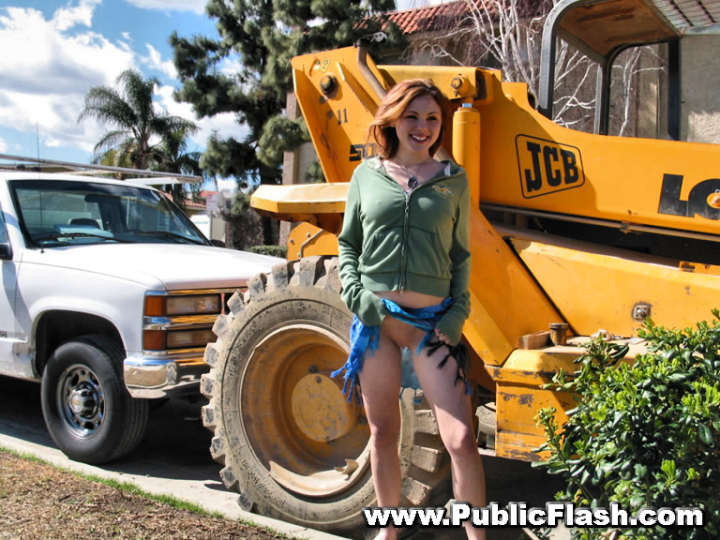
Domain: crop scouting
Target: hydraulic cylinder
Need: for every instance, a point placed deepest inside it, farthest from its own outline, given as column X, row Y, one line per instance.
column 466, row 146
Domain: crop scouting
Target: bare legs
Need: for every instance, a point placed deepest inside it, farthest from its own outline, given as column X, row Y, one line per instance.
column 452, row 411
column 380, row 385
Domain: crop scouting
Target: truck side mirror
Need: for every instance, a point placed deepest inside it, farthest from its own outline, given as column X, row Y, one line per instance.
column 5, row 252
column 217, row 243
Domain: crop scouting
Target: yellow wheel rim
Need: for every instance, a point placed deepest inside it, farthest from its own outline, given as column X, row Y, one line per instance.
column 302, row 429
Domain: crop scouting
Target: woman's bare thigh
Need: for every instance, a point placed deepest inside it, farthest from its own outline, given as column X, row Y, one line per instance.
column 380, row 380
column 443, row 390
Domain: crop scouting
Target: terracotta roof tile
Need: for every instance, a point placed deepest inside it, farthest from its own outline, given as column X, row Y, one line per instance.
column 430, row 18
column 452, row 14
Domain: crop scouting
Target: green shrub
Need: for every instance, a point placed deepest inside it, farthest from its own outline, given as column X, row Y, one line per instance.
column 644, row 433
column 275, row 251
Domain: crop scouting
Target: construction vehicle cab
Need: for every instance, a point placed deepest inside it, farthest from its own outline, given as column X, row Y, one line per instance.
column 602, row 30
column 572, row 233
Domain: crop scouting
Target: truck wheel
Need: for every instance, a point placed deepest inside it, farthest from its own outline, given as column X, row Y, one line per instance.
column 87, row 409
column 289, row 441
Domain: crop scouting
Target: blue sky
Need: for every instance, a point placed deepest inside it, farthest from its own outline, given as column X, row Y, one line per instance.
column 55, row 50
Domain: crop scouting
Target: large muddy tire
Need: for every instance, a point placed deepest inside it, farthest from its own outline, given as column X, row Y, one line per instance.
column 87, row 409
column 290, row 443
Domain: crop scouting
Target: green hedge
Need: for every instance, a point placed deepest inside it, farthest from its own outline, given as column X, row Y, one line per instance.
column 645, row 433
column 275, row 251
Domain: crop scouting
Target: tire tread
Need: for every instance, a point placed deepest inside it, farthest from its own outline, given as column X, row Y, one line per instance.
column 426, row 467
column 138, row 409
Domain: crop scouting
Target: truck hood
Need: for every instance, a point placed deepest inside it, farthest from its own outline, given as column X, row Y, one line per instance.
column 158, row 266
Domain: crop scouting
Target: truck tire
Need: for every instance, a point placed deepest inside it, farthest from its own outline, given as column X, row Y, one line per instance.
column 288, row 440
column 87, row 409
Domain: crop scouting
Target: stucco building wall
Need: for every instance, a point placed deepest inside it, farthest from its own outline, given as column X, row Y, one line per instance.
column 700, row 97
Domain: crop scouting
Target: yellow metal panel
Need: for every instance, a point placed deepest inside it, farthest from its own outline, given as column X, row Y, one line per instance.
column 356, row 88
column 699, row 268
column 536, row 366
column 306, row 240
column 455, row 82
column 505, row 301
column 598, row 290
column 318, row 124
column 465, row 143
column 301, row 198
column 611, row 178
column 520, row 395
column 337, row 121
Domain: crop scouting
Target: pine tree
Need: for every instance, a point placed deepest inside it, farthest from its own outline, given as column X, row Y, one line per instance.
column 262, row 36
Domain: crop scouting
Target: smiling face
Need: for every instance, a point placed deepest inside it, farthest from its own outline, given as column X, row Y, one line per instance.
column 418, row 127
column 409, row 121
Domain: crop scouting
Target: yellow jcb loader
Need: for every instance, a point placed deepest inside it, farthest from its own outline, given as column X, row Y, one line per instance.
column 571, row 232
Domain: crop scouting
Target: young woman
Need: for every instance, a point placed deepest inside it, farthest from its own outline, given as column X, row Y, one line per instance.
column 404, row 266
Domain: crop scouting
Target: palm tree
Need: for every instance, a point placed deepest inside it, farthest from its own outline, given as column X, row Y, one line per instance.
column 130, row 111
column 171, row 155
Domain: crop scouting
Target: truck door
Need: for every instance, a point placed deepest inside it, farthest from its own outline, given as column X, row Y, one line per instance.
column 7, row 300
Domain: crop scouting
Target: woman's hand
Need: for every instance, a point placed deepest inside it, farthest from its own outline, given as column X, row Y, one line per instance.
column 442, row 337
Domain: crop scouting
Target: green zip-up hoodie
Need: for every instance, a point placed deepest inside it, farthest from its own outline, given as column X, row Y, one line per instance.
column 394, row 241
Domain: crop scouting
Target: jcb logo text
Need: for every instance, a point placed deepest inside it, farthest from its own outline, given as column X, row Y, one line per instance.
column 547, row 166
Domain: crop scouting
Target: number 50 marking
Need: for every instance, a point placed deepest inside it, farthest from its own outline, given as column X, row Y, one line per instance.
column 358, row 152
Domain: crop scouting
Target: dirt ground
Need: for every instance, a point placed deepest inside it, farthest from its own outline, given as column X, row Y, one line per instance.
column 40, row 501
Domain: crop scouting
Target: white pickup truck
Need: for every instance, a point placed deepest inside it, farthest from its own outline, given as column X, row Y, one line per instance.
column 109, row 295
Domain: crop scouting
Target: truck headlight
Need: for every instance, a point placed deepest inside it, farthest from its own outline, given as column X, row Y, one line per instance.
column 158, row 306
column 180, row 339
column 188, row 305
column 158, row 340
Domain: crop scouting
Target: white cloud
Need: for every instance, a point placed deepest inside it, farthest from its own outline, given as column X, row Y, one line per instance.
column 42, row 90
column 154, row 60
column 224, row 124
column 69, row 16
column 198, row 6
column 230, row 65
column 3, row 146
column 44, row 87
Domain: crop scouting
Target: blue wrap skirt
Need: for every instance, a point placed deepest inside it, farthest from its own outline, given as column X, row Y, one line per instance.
column 367, row 338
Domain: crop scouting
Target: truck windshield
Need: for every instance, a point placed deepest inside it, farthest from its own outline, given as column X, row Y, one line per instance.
column 63, row 212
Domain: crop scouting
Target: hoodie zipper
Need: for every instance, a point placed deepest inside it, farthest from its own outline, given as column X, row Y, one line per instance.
column 406, row 239
column 406, row 225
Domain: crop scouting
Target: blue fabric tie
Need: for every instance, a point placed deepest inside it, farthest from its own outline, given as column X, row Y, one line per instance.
column 367, row 338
